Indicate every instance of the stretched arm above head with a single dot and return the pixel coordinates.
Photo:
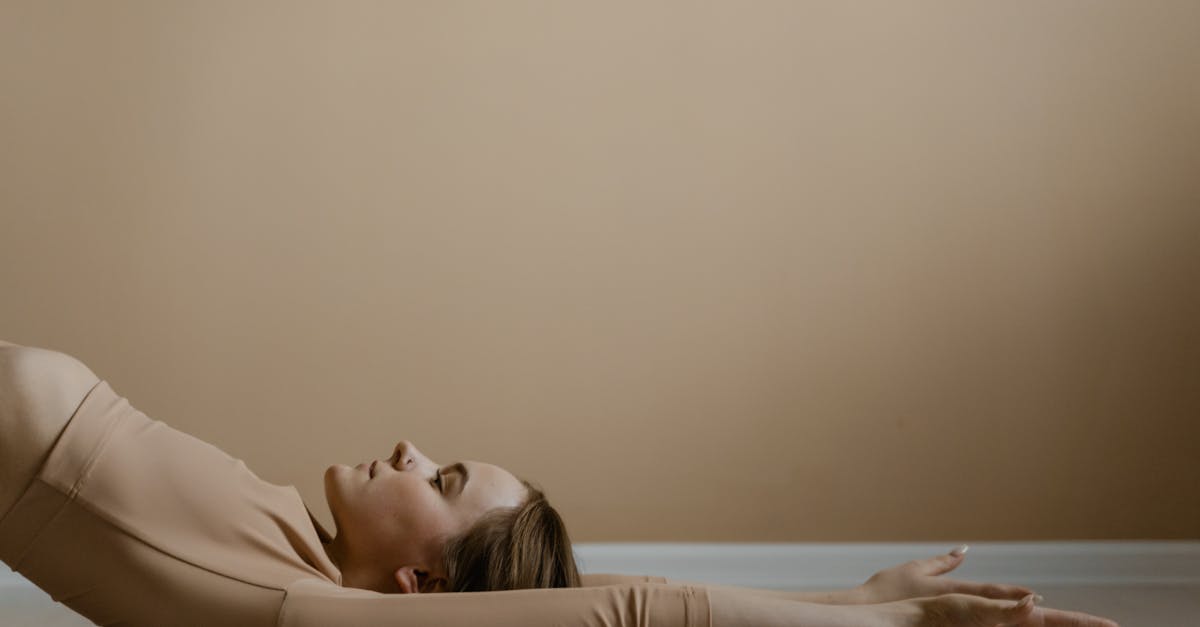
(311, 603)
(832, 597)
(912, 579)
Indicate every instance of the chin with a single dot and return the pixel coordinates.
(332, 481)
(333, 493)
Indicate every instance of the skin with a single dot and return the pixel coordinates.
(912, 579)
(941, 601)
(964, 610)
(912, 594)
(392, 527)
(923, 578)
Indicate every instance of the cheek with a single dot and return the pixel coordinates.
(423, 516)
(405, 508)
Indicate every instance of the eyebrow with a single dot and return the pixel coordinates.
(466, 476)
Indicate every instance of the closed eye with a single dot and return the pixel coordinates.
(438, 480)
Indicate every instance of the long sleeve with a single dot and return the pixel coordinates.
(608, 579)
(317, 603)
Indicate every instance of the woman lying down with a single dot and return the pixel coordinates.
(128, 521)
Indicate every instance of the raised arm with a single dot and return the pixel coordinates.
(912, 579)
(312, 603)
(831, 597)
(851, 596)
(315, 603)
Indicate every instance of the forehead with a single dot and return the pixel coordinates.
(492, 486)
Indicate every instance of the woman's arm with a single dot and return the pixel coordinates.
(317, 603)
(912, 579)
(313, 603)
(748, 606)
(831, 597)
(851, 596)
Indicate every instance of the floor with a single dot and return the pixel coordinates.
(1131, 606)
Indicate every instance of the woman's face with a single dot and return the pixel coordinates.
(395, 512)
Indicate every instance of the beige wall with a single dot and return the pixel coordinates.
(765, 271)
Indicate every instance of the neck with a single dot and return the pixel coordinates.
(355, 573)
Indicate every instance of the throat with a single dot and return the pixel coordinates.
(356, 573)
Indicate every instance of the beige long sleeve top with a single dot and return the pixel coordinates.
(132, 522)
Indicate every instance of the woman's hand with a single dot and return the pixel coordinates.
(964, 610)
(736, 606)
(920, 578)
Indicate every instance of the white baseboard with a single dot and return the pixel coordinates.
(799, 566)
(795, 566)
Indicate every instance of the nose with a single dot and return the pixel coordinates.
(406, 454)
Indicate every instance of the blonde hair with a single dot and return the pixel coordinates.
(512, 548)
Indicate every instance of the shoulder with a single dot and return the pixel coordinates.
(42, 381)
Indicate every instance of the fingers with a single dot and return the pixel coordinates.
(962, 609)
(1063, 618)
(1024, 613)
(945, 563)
(1007, 612)
(942, 563)
(989, 590)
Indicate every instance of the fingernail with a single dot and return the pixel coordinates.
(1039, 599)
(1025, 601)
(959, 550)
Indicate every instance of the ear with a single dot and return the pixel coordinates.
(406, 576)
(414, 579)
